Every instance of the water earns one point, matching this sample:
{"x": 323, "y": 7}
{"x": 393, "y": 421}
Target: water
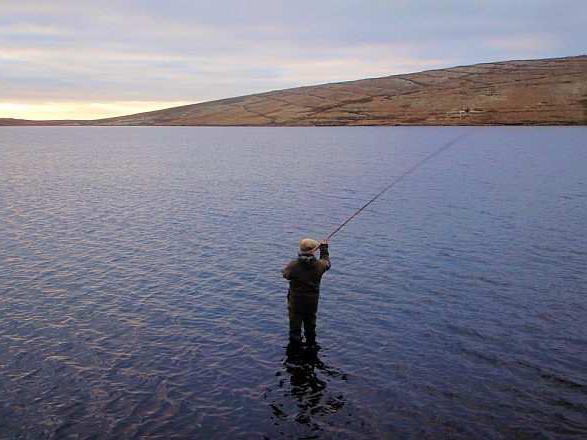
{"x": 141, "y": 297}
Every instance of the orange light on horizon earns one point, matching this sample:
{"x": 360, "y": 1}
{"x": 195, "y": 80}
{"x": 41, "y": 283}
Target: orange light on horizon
{"x": 80, "y": 110}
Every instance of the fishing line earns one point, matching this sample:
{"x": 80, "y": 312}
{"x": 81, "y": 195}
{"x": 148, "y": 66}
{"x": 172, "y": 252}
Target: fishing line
{"x": 401, "y": 177}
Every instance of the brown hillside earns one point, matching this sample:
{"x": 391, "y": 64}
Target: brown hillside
{"x": 546, "y": 92}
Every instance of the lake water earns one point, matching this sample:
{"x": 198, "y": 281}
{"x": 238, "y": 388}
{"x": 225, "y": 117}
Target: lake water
{"x": 141, "y": 294}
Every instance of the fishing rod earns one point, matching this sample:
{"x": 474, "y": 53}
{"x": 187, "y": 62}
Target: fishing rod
{"x": 397, "y": 180}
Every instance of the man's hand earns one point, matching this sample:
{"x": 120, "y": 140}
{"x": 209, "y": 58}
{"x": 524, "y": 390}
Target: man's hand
{"x": 324, "y": 257}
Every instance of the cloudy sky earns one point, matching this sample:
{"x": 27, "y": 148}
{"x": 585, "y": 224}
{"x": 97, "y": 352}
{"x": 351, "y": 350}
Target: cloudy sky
{"x": 88, "y": 59}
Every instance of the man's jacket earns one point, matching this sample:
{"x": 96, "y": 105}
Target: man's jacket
{"x": 304, "y": 275}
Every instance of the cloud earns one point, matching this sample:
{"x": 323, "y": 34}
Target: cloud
{"x": 524, "y": 44}
{"x": 30, "y": 30}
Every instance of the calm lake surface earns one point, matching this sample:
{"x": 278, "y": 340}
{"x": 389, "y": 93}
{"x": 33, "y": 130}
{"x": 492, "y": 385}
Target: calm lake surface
{"x": 141, "y": 294}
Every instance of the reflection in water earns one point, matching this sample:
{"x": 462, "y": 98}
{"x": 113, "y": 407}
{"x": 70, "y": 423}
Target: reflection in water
{"x": 306, "y": 398}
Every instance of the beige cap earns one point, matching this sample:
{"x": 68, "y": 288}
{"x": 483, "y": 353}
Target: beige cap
{"x": 307, "y": 245}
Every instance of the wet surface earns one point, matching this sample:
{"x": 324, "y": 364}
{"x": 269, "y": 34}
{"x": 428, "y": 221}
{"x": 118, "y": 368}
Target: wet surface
{"x": 141, "y": 297}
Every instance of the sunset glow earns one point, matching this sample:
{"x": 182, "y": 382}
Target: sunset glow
{"x": 80, "y": 110}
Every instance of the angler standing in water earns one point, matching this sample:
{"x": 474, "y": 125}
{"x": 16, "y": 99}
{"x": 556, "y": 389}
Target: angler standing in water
{"x": 304, "y": 275}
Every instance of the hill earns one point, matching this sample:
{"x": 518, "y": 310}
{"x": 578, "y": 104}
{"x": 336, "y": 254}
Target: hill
{"x": 533, "y": 92}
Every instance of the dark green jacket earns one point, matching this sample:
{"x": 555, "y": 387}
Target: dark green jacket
{"x": 304, "y": 275}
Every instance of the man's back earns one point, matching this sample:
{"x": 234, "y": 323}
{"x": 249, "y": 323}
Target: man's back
{"x": 304, "y": 275}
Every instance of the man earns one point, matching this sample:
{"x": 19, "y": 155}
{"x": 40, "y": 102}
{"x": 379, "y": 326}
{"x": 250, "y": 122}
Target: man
{"x": 304, "y": 275}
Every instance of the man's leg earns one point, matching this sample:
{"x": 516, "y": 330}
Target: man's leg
{"x": 295, "y": 323}
{"x": 310, "y": 328}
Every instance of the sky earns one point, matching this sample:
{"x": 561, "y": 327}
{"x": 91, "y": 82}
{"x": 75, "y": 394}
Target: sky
{"x": 80, "y": 59}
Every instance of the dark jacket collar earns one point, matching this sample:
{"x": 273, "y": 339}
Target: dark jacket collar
{"x": 304, "y": 258}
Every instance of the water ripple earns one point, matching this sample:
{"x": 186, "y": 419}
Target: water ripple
{"x": 141, "y": 297}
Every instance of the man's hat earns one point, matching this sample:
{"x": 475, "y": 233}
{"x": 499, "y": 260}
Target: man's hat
{"x": 307, "y": 245}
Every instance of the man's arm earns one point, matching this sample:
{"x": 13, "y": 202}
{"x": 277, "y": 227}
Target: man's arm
{"x": 286, "y": 271}
{"x": 324, "y": 256}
